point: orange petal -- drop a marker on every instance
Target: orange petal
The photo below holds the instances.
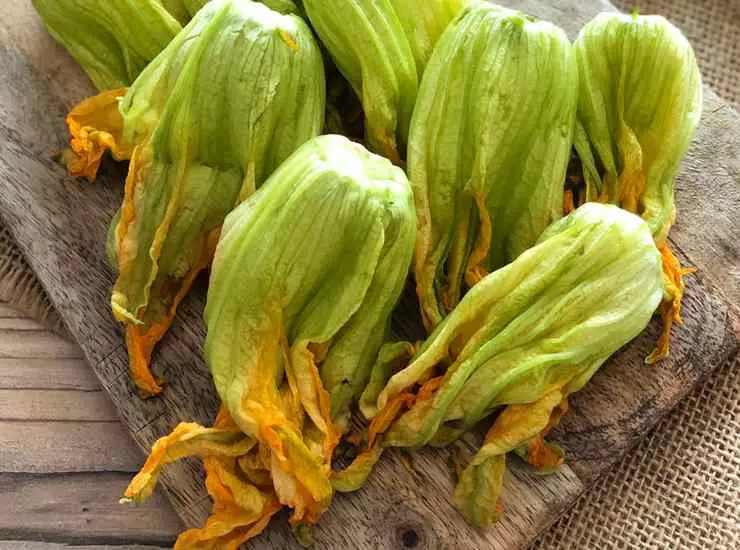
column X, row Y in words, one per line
column 141, row 339
column 670, row 309
column 385, row 417
column 187, row 439
column 140, row 343
column 474, row 271
column 542, row 455
column 96, row 125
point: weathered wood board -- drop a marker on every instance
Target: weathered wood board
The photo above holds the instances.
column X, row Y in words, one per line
column 60, row 223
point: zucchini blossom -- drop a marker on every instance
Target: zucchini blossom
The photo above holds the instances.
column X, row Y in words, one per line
column 381, row 46
column 489, row 147
column 517, row 345
column 639, row 103
column 231, row 97
column 305, row 276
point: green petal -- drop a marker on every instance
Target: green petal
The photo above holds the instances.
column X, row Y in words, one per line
column 230, row 98
column 639, row 103
column 304, row 279
column 549, row 319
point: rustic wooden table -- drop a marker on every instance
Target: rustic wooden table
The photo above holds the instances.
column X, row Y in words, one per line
column 65, row 458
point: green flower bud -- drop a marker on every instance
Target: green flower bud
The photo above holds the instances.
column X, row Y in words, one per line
column 523, row 339
column 305, row 277
column 489, row 147
column 424, row 23
column 639, row 103
column 380, row 46
column 237, row 92
column 112, row 41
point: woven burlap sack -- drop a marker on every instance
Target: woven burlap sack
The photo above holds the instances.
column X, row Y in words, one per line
column 680, row 487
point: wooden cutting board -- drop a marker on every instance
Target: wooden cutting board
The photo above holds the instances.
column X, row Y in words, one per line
column 60, row 223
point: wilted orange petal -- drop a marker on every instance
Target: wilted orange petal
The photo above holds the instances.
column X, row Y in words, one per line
column 187, row 439
column 385, row 417
column 226, row 530
column 474, row 271
column 96, row 126
column 141, row 339
column 670, row 309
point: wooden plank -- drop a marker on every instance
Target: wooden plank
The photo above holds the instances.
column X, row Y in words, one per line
column 37, row 344
column 84, row 508
column 36, row 545
column 11, row 324
column 408, row 494
column 40, row 447
column 56, row 405
column 21, row 373
column 9, row 312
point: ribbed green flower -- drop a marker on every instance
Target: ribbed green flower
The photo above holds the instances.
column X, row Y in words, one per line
column 639, row 103
column 238, row 91
column 323, row 251
column 305, row 276
column 380, row 47
column 521, row 341
column 489, row 147
column 112, row 40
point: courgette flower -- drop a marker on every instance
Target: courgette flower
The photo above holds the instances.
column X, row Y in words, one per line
column 517, row 345
column 112, row 41
column 231, row 97
column 380, row 46
column 490, row 141
column 639, row 103
column 305, row 276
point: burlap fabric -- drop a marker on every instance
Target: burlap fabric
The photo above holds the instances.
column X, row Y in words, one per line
column 680, row 487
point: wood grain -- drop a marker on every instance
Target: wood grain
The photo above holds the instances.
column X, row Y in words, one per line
column 45, row 405
column 35, row 545
column 72, row 446
column 60, row 374
column 408, row 492
column 80, row 503
column 42, row 440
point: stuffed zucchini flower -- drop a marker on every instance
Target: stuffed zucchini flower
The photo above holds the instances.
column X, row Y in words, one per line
column 232, row 96
column 489, row 147
column 518, row 344
column 639, row 104
column 305, row 276
column 381, row 46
